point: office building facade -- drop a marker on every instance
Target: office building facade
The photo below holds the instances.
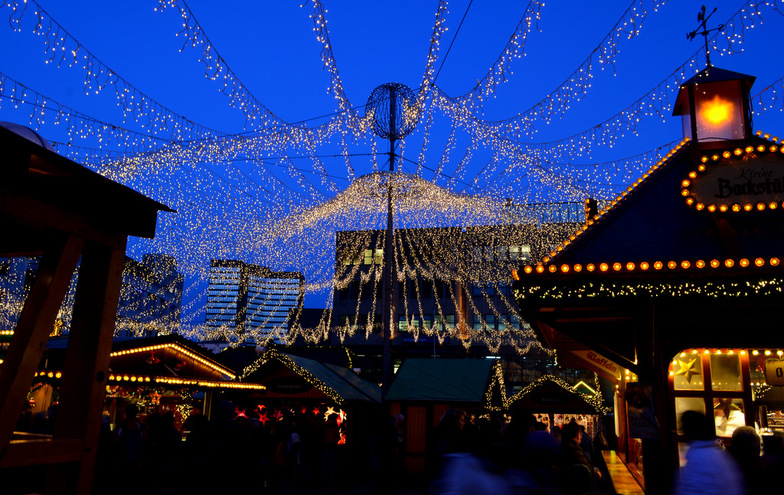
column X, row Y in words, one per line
column 252, row 302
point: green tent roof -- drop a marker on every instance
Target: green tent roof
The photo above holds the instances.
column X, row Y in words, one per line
column 443, row 380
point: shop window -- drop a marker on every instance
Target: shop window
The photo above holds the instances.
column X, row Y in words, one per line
column 728, row 414
column 715, row 382
column 683, row 404
column 687, row 370
column 725, row 372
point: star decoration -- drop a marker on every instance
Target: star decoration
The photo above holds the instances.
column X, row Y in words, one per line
column 688, row 368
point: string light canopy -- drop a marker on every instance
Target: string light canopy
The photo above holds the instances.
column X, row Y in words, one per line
column 276, row 193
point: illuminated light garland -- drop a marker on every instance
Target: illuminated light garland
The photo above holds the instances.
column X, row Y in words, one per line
column 149, row 380
column 439, row 28
column 594, row 400
column 496, row 382
column 179, row 349
column 61, row 48
column 302, row 372
column 514, row 49
column 767, row 287
column 655, row 102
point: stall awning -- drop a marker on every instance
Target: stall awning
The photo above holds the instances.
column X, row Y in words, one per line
column 471, row 381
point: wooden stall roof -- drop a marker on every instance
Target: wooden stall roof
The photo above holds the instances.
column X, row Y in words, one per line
column 41, row 190
column 168, row 361
column 339, row 384
column 708, row 273
column 69, row 215
column 550, row 394
column 467, row 381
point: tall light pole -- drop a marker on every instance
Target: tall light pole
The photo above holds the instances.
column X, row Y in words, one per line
column 394, row 117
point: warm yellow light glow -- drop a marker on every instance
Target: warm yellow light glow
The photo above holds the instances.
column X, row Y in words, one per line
column 717, row 111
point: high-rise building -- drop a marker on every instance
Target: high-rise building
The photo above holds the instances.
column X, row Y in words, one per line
column 252, row 301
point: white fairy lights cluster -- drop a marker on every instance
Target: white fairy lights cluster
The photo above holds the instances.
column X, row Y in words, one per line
column 276, row 194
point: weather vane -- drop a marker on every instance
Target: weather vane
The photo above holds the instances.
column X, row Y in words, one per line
column 705, row 31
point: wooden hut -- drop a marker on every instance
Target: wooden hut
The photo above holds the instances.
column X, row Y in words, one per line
column 318, row 393
column 57, row 209
column 423, row 389
column 679, row 280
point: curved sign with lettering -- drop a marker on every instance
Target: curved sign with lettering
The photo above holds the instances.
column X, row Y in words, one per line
column 742, row 180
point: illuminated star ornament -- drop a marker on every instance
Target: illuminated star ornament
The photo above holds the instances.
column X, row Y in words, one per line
column 688, row 368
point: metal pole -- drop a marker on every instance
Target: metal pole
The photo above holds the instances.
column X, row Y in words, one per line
column 389, row 258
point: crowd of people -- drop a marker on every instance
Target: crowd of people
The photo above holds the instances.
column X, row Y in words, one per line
column 743, row 468
column 464, row 455
column 228, row 453
column 493, row 455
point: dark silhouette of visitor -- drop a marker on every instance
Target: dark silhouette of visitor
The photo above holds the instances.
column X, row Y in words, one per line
column 709, row 469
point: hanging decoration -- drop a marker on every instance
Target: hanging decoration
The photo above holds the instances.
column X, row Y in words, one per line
column 280, row 200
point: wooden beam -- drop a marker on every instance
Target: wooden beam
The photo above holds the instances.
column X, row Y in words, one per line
column 86, row 370
column 38, row 452
column 32, row 330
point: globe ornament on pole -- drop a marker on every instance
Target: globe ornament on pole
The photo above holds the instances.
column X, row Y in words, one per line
column 395, row 110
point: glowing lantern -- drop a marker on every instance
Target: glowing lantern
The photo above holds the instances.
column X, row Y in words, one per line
column 714, row 105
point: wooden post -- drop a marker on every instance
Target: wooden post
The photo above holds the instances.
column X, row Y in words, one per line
column 32, row 332
column 86, row 370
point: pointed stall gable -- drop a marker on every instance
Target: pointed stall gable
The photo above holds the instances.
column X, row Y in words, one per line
column 338, row 384
column 551, row 394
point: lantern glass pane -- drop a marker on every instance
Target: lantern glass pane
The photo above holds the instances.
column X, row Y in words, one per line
column 719, row 110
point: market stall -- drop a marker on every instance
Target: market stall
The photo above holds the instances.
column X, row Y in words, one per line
column 554, row 402
column 334, row 407
column 55, row 208
column 679, row 280
column 423, row 390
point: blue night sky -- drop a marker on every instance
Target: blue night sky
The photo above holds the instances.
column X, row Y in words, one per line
column 273, row 49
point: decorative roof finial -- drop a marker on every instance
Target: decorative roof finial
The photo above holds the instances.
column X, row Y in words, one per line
column 703, row 20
